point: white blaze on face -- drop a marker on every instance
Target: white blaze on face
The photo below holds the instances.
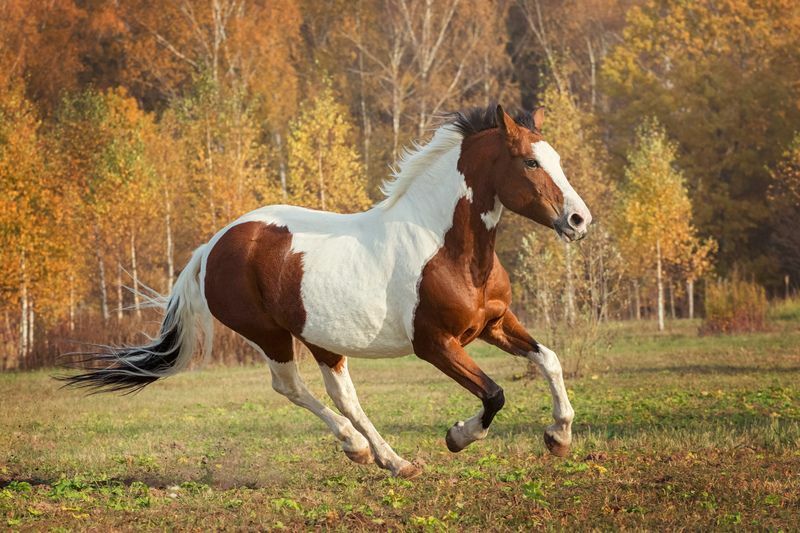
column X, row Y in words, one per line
column 550, row 162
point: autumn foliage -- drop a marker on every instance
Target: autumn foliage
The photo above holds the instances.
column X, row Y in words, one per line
column 131, row 131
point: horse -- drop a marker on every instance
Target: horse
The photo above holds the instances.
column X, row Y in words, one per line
column 417, row 273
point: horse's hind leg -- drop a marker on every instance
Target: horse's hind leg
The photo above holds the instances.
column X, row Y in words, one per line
column 341, row 390
column 286, row 380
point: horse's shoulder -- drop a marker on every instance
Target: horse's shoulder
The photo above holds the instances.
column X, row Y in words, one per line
column 498, row 286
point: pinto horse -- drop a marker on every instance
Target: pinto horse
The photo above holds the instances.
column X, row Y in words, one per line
column 417, row 273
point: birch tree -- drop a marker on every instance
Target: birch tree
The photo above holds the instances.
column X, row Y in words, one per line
column 325, row 171
column 655, row 222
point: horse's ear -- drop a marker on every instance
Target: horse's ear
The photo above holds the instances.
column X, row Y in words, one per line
column 538, row 118
column 508, row 128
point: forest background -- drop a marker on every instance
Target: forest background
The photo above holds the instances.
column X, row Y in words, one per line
column 131, row 131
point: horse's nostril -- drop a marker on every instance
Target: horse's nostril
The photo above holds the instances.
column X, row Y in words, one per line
column 575, row 220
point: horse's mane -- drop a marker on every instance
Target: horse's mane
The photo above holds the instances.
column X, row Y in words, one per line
column 478, row 119
column 457, row 127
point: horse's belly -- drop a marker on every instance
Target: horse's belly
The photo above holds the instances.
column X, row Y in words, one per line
column 349, row 314
column 358, row 302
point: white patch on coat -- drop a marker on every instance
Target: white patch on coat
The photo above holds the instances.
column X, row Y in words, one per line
column 492, row 217
column 550, row 161
column 361, row 272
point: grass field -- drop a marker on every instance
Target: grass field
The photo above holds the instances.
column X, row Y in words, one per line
column 671, row 431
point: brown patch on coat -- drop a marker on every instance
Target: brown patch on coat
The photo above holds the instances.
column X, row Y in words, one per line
column 252, row 285
column 334, row 361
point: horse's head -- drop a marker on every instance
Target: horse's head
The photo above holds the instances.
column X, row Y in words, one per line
column 528, row 179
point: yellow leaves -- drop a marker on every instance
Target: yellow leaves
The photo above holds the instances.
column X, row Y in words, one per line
column 655, row 208
column 325, row 171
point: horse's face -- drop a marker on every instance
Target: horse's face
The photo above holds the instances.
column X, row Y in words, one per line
column 529, row 180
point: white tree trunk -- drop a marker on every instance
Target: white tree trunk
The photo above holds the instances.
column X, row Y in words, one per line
column 23, row 310
column 72, row 302
column 170, row 244
column 31, row 323
column 119, row 292
column 671, row 300
column 101, row 271
column 637, row 299
column 210, row 169
column 660, row 287
column 281, row 165
column 321, row 180
column 690, row 295
column 135, row 274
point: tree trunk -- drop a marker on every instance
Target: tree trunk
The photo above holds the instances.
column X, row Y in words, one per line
column 366, row 126
column 570, row 285
column 23, row 311
column 135, row 274
column 281, row 165
column 660, row 282
column 396, row 111
column 321, row 181
column 210, row 169
column 170, row 243
column 592, row 73
column 637, row 299
column 690, row 296
column 604, row 290
column 31, row 324
column 119, row 292
column 101, row 271
column 671, row 300
column 72, row 302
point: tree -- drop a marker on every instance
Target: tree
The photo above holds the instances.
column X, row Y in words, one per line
column 724, row 78
column 655, row 215
column 325, row 171
column 226, row 166
column 34, row 221
column 784, row 197
column 100, row 144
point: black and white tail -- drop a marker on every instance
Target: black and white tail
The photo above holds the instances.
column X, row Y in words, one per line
column 131, row 368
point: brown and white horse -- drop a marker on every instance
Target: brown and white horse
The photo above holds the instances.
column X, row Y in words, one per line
column 415, row 274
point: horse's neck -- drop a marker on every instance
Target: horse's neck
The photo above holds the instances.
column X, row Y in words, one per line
column 471, row 239
column 464, row 209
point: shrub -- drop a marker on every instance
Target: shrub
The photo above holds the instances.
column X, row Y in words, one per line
column 734, row 305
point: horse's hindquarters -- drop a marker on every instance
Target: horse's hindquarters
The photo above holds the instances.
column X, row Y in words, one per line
column 252, row 283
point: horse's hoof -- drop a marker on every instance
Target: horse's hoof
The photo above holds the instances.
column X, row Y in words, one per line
column 362, row 457
column 555, row 447
column 452, row 445
column 409, row 471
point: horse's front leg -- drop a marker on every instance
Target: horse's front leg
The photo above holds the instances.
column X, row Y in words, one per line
column 446, row 354
column 509, row 335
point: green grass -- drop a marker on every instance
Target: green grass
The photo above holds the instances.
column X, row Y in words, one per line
column 672, row 431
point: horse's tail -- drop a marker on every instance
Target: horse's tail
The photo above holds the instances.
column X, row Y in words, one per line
column 131, row 368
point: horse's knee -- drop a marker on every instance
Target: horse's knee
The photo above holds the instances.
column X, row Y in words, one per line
column 491, row 405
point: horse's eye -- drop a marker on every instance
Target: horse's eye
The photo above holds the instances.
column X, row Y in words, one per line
column 531, row 163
